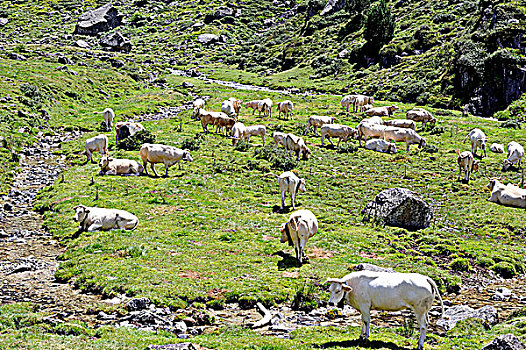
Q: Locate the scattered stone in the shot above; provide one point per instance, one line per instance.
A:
(371, 267)
(458, 313)
(3, 21)
(399, 207)
(21, 268)
(332, 6)
(115, 42)
(207, 38)
(180, 346)
(343, 53)
(16, 56)
(187, 85)
(505, 342)
(179, 328)
(501, 294)
(138, 304)
(82, 44)
(99, 20)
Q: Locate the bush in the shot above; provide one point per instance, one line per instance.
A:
(485, 261)
(324, 65)
(134, 142)
(192, 144)
(460, 264)
(242, 146)
(347, 148)
(305, 299)
(380, 25)
(510, 124)
(430, 148)
(505, 269)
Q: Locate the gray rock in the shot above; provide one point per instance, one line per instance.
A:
(371, 267)
(180, 327)
(332, 6)
(115, 42)
(16, 56)
(343, 53)
(501, 294)
(505, 342)
(207, 38)
(99, 20)
(180, 346)
(82, 44)
(187, 85)
(3, 21)
(399, 207)
(138, 304)
(458, 313)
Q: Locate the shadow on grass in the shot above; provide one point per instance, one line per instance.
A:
(276, 209)
(287, 261)
(374, 344)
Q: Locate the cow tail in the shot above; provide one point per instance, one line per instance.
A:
(435, 290)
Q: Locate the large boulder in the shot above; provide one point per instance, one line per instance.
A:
(400, 207)
(332, 6)
(115, 42)
(99, 20)
(487, 314)
(207, 38)
(505, 342)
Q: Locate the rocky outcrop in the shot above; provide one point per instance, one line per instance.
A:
(332, 6)
(399, 207)
(115, 42)
(207, 38)
(99, 20)
(487, 314)
(505, 342)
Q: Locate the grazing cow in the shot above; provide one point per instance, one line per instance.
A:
(265, 106)
(168, 155)
(285, 107)
(409, 136)
(380, 145)
(93, 218)
(114, 166)
(347, 101)
(255, 130)
(381, 111)
(509, 195)
(108, 115)
(515, 154)
(279, 139)
(371, 290)
(478, 140)
(222, 121)
(317, 121)
(496, 148)
(401, 123)
(296, 144)
(254, 104)
(198, 103)
(208, 118)
(360, 101)
(95, 144)
(301, 226)
(289, 182)
(238, 130)
(126, 129)
(366, 130)
(342, 132)
(466, 163)
(420, 115)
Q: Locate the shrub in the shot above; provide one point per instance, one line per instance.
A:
(380, 25)
(485, 261)
(430, 148)
(283, 161)
(192, 144)
(505, 269)
(460, 264)
(348, 148)
(510, 124)
(135, 141)
(242, 146)
(324, 65)
(305, 299)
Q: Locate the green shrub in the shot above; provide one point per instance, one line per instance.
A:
(216, 304)
(135, 141)
(242, 146)
(484, 261)
(460, 264)
(305, 298)
(191, 144)
(380, 25)
(505, 269)
(510, 124)
(347, 148)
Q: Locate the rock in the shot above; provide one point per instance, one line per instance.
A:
(332, 6)
(187, 85)
(3, 21)
(371, 267)
(115, 42)
(116, 63)
(82, 44)
(16, 56)
(180, 328)
(8, 206)
(458, 313)
(138, 304)
(99, 20)
(501, 294)
(207, 38)
(399, 207)
(180, 346)
(505, 342)
(64, 60)
(21, 268)
(343, 53)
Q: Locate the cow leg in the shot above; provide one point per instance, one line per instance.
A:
(145, 168)
(298, 155)
(407, 148)
(339, 140)
(94, 227)
(459, 172)
(88, 156)
(292, 200)
(329, 138)
(315, 132)
(366, 318)
(263, 137)
(166, 170)
(422, 325)
(282, 200)
(153, 168)
(322, 140)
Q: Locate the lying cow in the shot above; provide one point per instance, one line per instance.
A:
(467, 163)
(289, 182)
(301, 226)
(93, 218)
(156, 153)
(95, 144)
(381, 111)
(515, 154)
(342, 132)
(370, 290)
(496, 148)
(380, 145)
(317, 121)
(509, 195)
(114, 166)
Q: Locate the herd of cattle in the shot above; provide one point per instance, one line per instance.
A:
(363, 290)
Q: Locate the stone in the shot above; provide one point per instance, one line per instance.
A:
(458, 313)
(399, 207)
(3, 21)
(501, 294)
(332, 6)
(115, 42)
(505, 342)
(17, 57)
(64, 60)
(343, 53)
(207, 38)
(180, 346)
(99, 20)
(138, 304)
(179, 328)
(82, 44)
(116, 63)
(371, 267)
(187, 85)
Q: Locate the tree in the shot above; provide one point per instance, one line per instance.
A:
(380, 25)
(357, 6)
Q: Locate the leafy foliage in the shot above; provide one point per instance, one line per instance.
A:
(135, 141)
(380, 25)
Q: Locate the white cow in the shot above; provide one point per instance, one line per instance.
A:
(154, 153)
(409, 136)
(198, 103)
(420, 115)
(401, 123)
(386, 111)
(238, 130)
(366, 130)
(380, 145)
(254, 104)
(347, 101)
(360, 101)
(114, 166)
(370, 290)
(342, 132)
(108, 115)
(285, 107)
(95, 144)
(467, 163)
(265, 106)
(296, 144)
(301, 226)
(317, 121)
(289, 182)
(509, 195)
(478, 140)
(93, 218)
(279, 139)
(515, 154)
(255, 130)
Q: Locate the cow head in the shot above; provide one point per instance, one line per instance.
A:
(285, 233)
(301, 186)
(392, 148)
(371, 100)
(306, 153)
(338, 288)
(104, 161)
(492, 183)
(186, 156)
(422, 143)
(506, 165)
(475, 166)
(196, 112)
(81, 211)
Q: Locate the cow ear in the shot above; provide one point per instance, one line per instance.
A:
(332, 280)
(346, 288)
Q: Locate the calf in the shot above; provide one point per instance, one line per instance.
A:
(497, 148)
(317, 121)
(347, 101)
(93, 218)
(95, 144)
(285, 107)
(509, 195)
(113, 166)
(301, 226)
(168, 155)
(370, 290)
(225, 123)
(289, 182)
(466, 163)
(515, 154)
(255, 130)
(478, 140)
(238, 130)
(342, 132)
(254, 104)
